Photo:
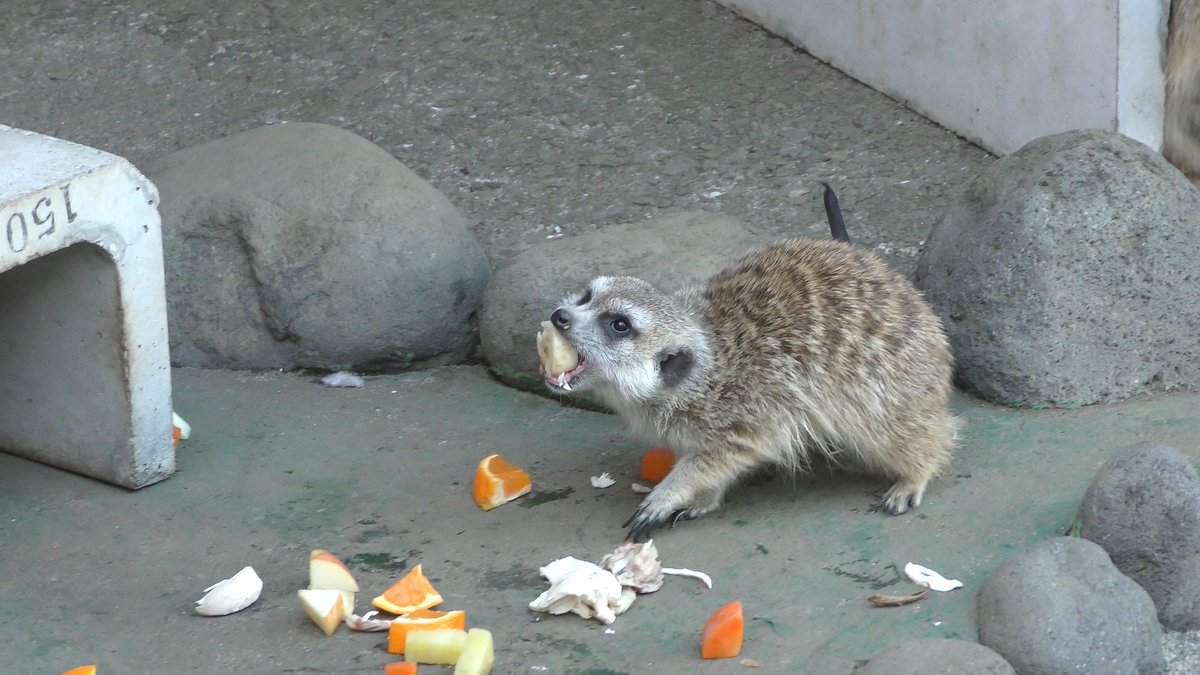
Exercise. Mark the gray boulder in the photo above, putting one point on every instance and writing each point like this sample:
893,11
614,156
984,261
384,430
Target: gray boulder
1143,508
1062,607
669,252
1065,274
303,245
936,656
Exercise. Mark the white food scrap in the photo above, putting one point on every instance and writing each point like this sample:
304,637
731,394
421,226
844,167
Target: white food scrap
185,429
343,380
608,589
640,489
231,595
367,623
636,566
923,576
685,572
604,480
583,588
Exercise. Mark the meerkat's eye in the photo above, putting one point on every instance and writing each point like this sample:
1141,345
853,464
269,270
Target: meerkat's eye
620,325
585,298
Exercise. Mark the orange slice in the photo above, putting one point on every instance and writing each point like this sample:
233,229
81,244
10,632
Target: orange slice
656,464
411,593
497,482
422,619
82,670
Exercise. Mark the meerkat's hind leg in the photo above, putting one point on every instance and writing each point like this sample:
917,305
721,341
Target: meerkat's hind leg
917,460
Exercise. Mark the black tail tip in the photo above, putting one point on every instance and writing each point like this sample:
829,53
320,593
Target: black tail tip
833,213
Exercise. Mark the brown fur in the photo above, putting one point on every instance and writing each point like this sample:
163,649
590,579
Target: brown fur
1181,116
800,349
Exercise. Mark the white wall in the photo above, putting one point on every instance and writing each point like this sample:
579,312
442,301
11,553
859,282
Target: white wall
999,72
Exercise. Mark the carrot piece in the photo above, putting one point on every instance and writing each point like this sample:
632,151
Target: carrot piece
82,670
722,637
400,668
656,464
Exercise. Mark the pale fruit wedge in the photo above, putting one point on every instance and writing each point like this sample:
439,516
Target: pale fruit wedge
347,602
231,595
477,654
441,646
422,619
325,571
324,606
557,355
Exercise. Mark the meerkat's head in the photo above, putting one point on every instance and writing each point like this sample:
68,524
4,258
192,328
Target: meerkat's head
634,342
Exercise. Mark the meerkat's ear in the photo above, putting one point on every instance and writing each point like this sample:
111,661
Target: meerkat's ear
675,366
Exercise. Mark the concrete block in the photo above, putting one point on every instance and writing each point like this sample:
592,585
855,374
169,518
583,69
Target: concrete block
85,380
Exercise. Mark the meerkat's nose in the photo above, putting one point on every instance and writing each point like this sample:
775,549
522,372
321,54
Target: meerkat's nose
561,319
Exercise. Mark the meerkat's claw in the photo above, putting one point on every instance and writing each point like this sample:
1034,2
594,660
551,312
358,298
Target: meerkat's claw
901,497
643,523
642,526
681,514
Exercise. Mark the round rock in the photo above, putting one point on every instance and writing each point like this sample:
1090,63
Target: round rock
668,252
1065,274
1062,607
937,656
1143,508
304,245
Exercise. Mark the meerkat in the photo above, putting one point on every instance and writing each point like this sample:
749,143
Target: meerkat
802,349
1181,115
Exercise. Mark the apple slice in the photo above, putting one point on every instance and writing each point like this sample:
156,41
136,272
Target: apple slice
477,654
324,606
325,571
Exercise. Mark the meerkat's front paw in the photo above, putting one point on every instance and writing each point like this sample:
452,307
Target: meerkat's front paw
647,518
663,506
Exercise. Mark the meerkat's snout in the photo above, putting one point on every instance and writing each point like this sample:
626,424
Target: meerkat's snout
561,319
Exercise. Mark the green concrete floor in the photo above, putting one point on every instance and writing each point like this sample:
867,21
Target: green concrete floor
278,465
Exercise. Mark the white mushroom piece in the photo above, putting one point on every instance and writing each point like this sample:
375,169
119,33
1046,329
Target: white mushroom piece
583,588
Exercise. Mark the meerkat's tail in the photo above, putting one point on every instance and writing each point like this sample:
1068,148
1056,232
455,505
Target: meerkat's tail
833,213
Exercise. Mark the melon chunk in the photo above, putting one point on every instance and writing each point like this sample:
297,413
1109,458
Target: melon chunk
442,646
477,654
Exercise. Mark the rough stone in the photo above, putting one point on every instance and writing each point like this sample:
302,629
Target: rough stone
304,245
936,656
1062,607
668,252
1143,508
1065,274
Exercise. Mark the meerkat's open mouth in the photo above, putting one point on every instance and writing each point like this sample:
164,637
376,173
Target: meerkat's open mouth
564,380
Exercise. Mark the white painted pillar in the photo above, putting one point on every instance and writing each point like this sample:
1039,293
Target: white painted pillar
998,72
85,380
